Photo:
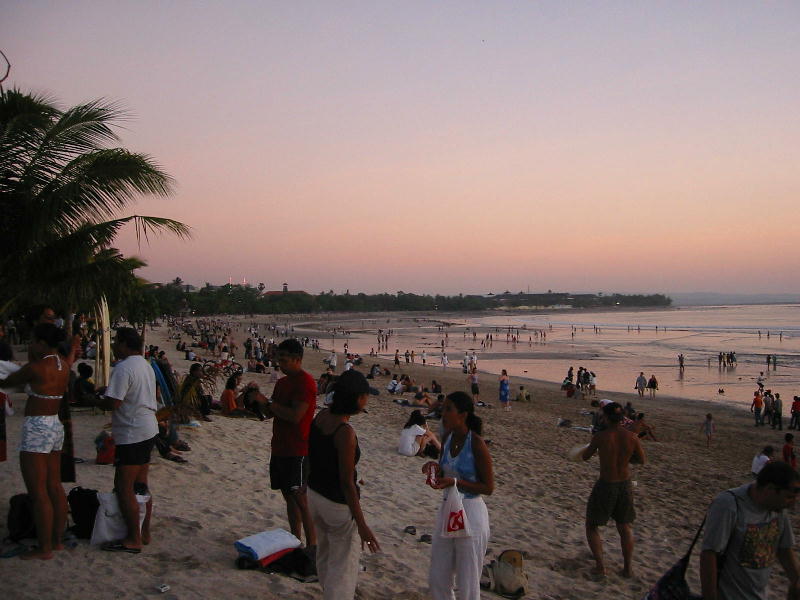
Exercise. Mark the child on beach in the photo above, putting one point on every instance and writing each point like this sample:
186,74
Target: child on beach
708,428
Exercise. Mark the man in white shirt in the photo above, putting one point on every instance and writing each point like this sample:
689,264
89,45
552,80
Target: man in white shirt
131,395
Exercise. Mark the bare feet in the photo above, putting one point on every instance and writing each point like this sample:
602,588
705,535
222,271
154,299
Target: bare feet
598,571
627,572
36,554
145,537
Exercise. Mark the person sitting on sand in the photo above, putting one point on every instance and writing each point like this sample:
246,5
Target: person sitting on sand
761,459
394,386
422,399
642,429
612,494
409,385
523,395
415,438
436,387
233,404
83,390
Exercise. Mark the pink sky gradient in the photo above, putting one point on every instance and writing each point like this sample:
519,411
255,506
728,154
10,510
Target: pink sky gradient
449,147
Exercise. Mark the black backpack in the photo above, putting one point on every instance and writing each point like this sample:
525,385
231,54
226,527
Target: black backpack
20,518
83,505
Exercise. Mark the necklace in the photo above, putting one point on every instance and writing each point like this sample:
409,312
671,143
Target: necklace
456,445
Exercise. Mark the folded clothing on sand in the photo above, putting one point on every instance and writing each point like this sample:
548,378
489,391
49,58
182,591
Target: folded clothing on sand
264,544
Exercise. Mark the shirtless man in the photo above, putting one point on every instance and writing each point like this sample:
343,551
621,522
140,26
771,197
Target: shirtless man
612,495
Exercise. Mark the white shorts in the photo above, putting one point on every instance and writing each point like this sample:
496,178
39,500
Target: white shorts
42,435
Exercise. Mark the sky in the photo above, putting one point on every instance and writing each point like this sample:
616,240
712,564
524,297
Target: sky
447,147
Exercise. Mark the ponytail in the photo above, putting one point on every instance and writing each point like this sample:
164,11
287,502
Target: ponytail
474,423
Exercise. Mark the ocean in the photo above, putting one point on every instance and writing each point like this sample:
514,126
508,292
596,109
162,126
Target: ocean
616,345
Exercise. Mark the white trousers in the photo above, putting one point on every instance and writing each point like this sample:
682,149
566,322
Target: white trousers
338,547
459,560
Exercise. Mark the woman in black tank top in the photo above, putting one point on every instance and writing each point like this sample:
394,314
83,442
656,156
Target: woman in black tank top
334,502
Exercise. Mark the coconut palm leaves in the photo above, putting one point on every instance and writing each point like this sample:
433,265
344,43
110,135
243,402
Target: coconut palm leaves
62,189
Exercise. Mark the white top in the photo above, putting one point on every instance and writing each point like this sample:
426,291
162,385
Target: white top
758,463
134,383
408,445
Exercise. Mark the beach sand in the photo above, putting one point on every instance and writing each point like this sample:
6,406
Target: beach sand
222,494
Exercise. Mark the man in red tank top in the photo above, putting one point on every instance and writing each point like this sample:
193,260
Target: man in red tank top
292,406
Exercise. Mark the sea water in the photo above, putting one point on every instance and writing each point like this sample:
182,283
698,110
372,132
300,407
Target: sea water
616,345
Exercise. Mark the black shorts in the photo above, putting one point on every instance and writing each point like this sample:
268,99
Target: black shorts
475,389
288,473
134,454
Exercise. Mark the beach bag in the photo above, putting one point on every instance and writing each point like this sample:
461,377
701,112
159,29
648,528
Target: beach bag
21,525
106,448
83,506
506,575
454,521
109,524
672,585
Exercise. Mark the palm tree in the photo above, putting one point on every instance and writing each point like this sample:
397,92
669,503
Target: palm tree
62,190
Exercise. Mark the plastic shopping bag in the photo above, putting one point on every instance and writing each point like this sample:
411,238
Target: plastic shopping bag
454,521
109,524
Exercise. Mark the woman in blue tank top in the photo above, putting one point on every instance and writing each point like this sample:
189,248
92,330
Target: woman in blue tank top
465,465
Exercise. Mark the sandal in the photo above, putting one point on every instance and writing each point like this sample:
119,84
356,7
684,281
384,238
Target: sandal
175,458
411,530
119,547
182,446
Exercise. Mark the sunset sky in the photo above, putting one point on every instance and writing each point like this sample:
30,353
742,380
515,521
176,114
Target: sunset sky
448,146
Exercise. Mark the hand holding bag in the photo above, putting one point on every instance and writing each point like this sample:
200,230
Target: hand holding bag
454,518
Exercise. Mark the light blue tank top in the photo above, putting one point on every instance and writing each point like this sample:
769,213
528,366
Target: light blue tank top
462,466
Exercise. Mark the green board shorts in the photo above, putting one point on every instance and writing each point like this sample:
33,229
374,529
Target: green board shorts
610,500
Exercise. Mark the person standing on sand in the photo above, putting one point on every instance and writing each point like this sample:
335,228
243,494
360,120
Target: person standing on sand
652,385
749,526
465,464
131,394
46,376
472,378
756,406
708,428
505,398
641,384
292,404
333,493
612,494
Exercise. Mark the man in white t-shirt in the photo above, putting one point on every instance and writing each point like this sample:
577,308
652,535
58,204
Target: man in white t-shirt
131,395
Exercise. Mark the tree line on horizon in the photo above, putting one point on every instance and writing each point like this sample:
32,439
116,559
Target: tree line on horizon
177,298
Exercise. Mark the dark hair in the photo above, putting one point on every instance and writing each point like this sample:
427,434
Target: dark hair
196,367
291,346
788,437
777,473
130,338
349,387
231,383
85,370
768,450
463,404
49,334
613,412
415,418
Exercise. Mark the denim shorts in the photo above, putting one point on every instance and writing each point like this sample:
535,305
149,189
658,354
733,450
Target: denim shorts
42,435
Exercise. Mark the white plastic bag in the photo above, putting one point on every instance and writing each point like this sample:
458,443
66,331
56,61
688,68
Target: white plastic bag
454,518
109,524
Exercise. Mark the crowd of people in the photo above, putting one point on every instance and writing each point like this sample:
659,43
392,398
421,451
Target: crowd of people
315,455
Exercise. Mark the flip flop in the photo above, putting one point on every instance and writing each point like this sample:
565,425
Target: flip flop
175,458
426,538
119,547
410,529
